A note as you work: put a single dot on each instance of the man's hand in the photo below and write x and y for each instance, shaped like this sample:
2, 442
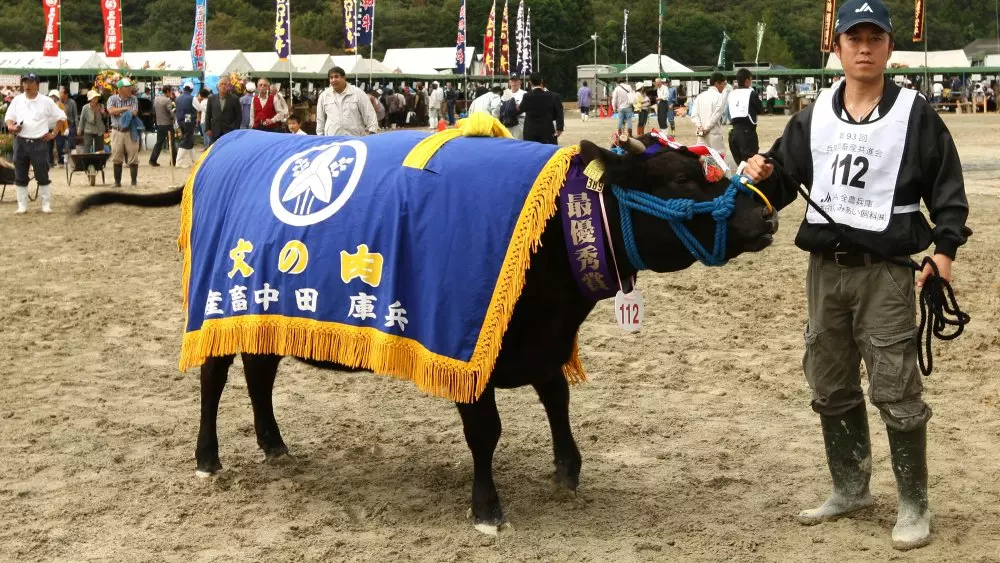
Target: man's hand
758, 169
48, 136
943, 264
558, 133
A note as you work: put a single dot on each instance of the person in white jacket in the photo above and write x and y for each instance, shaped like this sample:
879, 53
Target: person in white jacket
488, 102
344, 109
434, 105
707, 114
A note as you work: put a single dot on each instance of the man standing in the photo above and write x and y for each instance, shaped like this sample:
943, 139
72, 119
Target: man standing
666, 99
164, 111
344, 109
622, 103
72, 116
123, 108
434, 106
28, 117
269, 109
771, 93
583, 98
91, 125
744, 107
861, 307
707, 114
186, 118
420, 105
246, 103
515, 92
450, 98
224, 112
488, 101
541, 110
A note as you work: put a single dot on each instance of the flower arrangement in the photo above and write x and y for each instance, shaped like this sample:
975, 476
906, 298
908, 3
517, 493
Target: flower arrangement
6, 145
107, 81
237, 82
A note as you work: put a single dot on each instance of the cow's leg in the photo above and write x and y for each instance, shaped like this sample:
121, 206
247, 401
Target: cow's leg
481, 423
213, 380
554, 395
260, 371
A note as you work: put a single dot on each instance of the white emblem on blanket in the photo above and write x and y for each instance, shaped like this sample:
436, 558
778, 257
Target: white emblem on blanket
312, 185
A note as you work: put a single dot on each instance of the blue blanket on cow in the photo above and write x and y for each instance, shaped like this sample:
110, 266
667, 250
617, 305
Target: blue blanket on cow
329, 248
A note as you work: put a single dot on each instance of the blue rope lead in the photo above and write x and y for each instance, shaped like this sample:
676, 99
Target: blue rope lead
675, 212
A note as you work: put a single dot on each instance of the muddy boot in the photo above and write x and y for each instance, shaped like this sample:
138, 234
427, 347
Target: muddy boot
134, 170
45, 194
22, 200
118, 176
909, 463
848, 454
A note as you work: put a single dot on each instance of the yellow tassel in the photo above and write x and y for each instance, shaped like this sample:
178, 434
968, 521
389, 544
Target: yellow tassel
373, 349
476, 125
184, 238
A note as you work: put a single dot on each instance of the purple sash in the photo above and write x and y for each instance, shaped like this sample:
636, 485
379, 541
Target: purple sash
583, 229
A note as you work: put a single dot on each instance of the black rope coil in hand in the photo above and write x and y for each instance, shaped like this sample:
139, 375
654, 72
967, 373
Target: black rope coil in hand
937, 303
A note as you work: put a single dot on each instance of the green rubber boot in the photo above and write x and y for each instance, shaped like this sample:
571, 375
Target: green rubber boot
909, 463
849, 456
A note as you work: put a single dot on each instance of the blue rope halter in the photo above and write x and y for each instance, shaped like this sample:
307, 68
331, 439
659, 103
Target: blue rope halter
675, 212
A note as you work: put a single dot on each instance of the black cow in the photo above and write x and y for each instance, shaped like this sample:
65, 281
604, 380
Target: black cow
541, 334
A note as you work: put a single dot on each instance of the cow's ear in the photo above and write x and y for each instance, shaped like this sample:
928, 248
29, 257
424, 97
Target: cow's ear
614, 164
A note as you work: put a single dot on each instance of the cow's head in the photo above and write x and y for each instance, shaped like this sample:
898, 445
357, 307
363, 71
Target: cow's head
677, 174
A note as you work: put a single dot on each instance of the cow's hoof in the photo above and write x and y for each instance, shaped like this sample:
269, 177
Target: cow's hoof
208, 470
277, 453
567, 476
491, 526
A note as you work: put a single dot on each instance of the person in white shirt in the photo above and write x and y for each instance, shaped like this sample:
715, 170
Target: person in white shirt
268, 109
707, 114
937, 91
294, 126
771, 95
622, 102
30, 117
487, 101
344, 109
434, 106
514, 91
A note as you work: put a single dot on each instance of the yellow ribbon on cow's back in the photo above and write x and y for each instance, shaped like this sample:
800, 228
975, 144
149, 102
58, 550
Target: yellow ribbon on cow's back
478, 124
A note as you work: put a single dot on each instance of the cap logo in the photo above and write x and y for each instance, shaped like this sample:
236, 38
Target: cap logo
864, 8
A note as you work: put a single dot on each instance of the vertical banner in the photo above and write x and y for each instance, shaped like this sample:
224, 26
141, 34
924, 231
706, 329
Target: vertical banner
918, 21
112, 12
350, 26
504, 43
659, 41
460, 42
527, 42
519, 45
488, 42
625, 34
198, 39
282, 34
366, 22
829, 17
761, 26
50, 46
721, 63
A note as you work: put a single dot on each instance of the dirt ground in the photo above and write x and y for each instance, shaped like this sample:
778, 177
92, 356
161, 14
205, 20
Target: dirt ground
696, 433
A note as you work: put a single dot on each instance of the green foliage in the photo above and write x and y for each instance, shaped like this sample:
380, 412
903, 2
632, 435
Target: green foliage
692, 30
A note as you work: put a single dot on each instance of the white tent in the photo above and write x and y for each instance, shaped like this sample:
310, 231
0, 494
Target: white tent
346, 62
912, 59
318, 64
34, 59
991, 60
648, 65
430, 60
216, 62
261, 61
365, 66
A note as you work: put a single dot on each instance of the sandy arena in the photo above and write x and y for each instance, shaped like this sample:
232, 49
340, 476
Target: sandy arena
697, 437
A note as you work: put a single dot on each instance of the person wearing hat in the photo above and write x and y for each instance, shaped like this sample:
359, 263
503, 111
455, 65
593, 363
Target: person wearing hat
434, 105
515, 92
187, 117
30, 118
246, 104
123, 107
91, 124
57, 146
869, 152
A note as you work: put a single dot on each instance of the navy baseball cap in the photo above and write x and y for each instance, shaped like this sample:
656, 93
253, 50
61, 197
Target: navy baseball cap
30, 76
854, 12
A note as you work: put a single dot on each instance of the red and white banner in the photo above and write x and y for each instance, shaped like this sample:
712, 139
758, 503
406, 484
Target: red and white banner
50, 47
488, 43
829, 21
918, 21
112, 10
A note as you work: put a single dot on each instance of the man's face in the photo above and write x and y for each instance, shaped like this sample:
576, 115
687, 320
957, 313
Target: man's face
223, 87
864, 51
29, 87
658, 82
125, 91
264, 87
337, 81
720, 86
293, 126
63, 94
515, 84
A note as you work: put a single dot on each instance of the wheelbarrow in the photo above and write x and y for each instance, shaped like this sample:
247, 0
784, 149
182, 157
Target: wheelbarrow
89, 163
7, 178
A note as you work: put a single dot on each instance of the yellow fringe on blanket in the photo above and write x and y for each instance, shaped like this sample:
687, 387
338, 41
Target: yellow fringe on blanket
184, 238
476, 125
372, 349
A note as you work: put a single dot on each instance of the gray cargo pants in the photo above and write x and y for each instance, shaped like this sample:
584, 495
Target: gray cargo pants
863, 313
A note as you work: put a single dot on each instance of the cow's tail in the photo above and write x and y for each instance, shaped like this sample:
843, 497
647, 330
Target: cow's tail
164, 199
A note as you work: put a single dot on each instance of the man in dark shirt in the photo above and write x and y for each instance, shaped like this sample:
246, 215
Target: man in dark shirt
223, 112
541, 109
744, 107
164, 112
187, 117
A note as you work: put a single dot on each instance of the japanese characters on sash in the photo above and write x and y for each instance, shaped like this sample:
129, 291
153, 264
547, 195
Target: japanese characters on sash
855, 175
112, 11
50, 45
